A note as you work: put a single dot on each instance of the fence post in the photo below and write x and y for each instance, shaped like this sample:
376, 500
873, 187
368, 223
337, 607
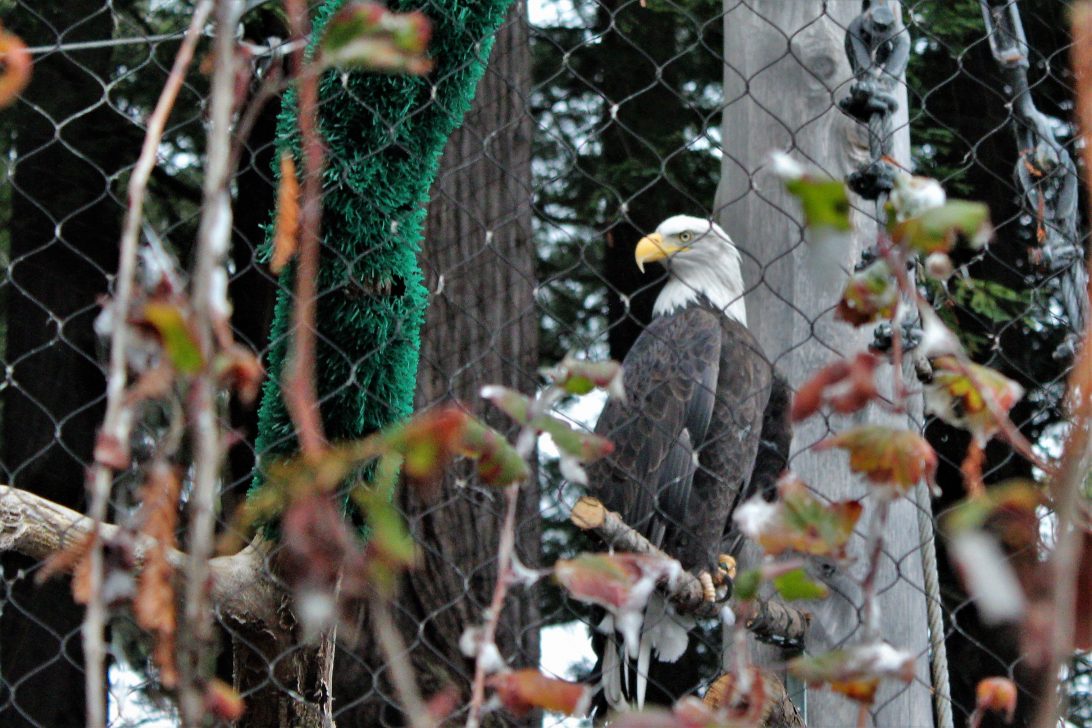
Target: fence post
785, 67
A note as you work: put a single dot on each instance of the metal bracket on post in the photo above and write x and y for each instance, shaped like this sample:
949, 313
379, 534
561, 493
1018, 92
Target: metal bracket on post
878, 51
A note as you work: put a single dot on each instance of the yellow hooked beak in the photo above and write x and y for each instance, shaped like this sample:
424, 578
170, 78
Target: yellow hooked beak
652, 248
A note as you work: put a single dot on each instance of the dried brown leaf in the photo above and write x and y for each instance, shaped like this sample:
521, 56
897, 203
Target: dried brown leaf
67, 560
286, 230
154, 606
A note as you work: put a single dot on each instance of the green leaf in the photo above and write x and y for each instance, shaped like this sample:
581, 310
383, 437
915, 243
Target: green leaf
584, 446
391, 549
512, 403
498, 461
429, 441
938, 229
795, 584
575, 376
746, 585
177, 337
824, 201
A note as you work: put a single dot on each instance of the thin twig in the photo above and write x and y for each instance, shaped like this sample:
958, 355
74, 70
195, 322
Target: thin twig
213, 242
270, 87
398, 665
116, 422
505, 549
300, 394
875, 554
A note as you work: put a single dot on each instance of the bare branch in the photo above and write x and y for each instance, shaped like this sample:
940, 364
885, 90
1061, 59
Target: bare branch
116, 424
242, 588
771, 622
398, 664
505, 549
210, 311
300, 394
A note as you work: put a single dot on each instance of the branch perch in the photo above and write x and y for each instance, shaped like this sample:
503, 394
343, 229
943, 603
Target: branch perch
773, 622
242, 587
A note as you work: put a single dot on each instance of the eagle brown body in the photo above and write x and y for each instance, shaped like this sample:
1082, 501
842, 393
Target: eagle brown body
705, 424
689, 433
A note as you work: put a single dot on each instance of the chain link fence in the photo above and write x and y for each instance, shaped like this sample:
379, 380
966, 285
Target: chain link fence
594, 121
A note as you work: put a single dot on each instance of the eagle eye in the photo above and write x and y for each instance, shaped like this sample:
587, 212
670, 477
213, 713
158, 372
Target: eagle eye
686, 236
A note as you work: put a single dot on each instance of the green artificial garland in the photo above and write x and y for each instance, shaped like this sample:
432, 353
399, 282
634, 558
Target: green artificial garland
384, 135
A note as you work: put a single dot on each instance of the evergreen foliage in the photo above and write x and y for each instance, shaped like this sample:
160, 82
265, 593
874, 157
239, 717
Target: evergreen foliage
384, 135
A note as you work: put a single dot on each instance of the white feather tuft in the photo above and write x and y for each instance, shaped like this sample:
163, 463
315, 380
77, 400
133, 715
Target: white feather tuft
755, 516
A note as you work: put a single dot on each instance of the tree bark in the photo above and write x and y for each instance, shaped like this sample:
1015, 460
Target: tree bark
70, 146
481, 328
785, 67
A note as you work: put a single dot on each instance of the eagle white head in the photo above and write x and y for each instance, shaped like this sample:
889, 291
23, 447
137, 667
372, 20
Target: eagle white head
701, 260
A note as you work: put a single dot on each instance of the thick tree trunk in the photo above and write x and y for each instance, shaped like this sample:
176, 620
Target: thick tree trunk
785, 67
478, 258
70, 145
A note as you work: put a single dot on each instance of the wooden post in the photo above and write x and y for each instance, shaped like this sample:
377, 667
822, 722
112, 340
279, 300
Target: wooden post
785, 68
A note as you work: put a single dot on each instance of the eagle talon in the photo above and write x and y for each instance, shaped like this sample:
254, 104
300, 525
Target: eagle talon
708, 589
726, 570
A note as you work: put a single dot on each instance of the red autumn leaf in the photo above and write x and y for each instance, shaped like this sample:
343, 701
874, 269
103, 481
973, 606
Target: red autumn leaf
870, 295
846, 386
958, 392
938, 229
111, 452
1009, 509
429, 441
443, 703
886, 456
521, 691
855, 672
154, 383
286, 229
16, 66
618, 581
241, 370
316, 544
798, 521
996, 695
222, 702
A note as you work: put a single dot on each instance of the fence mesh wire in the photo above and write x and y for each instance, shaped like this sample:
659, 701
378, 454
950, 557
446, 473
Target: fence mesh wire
594, 121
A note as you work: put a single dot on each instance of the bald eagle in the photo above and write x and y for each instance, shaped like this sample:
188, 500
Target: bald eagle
703, 426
